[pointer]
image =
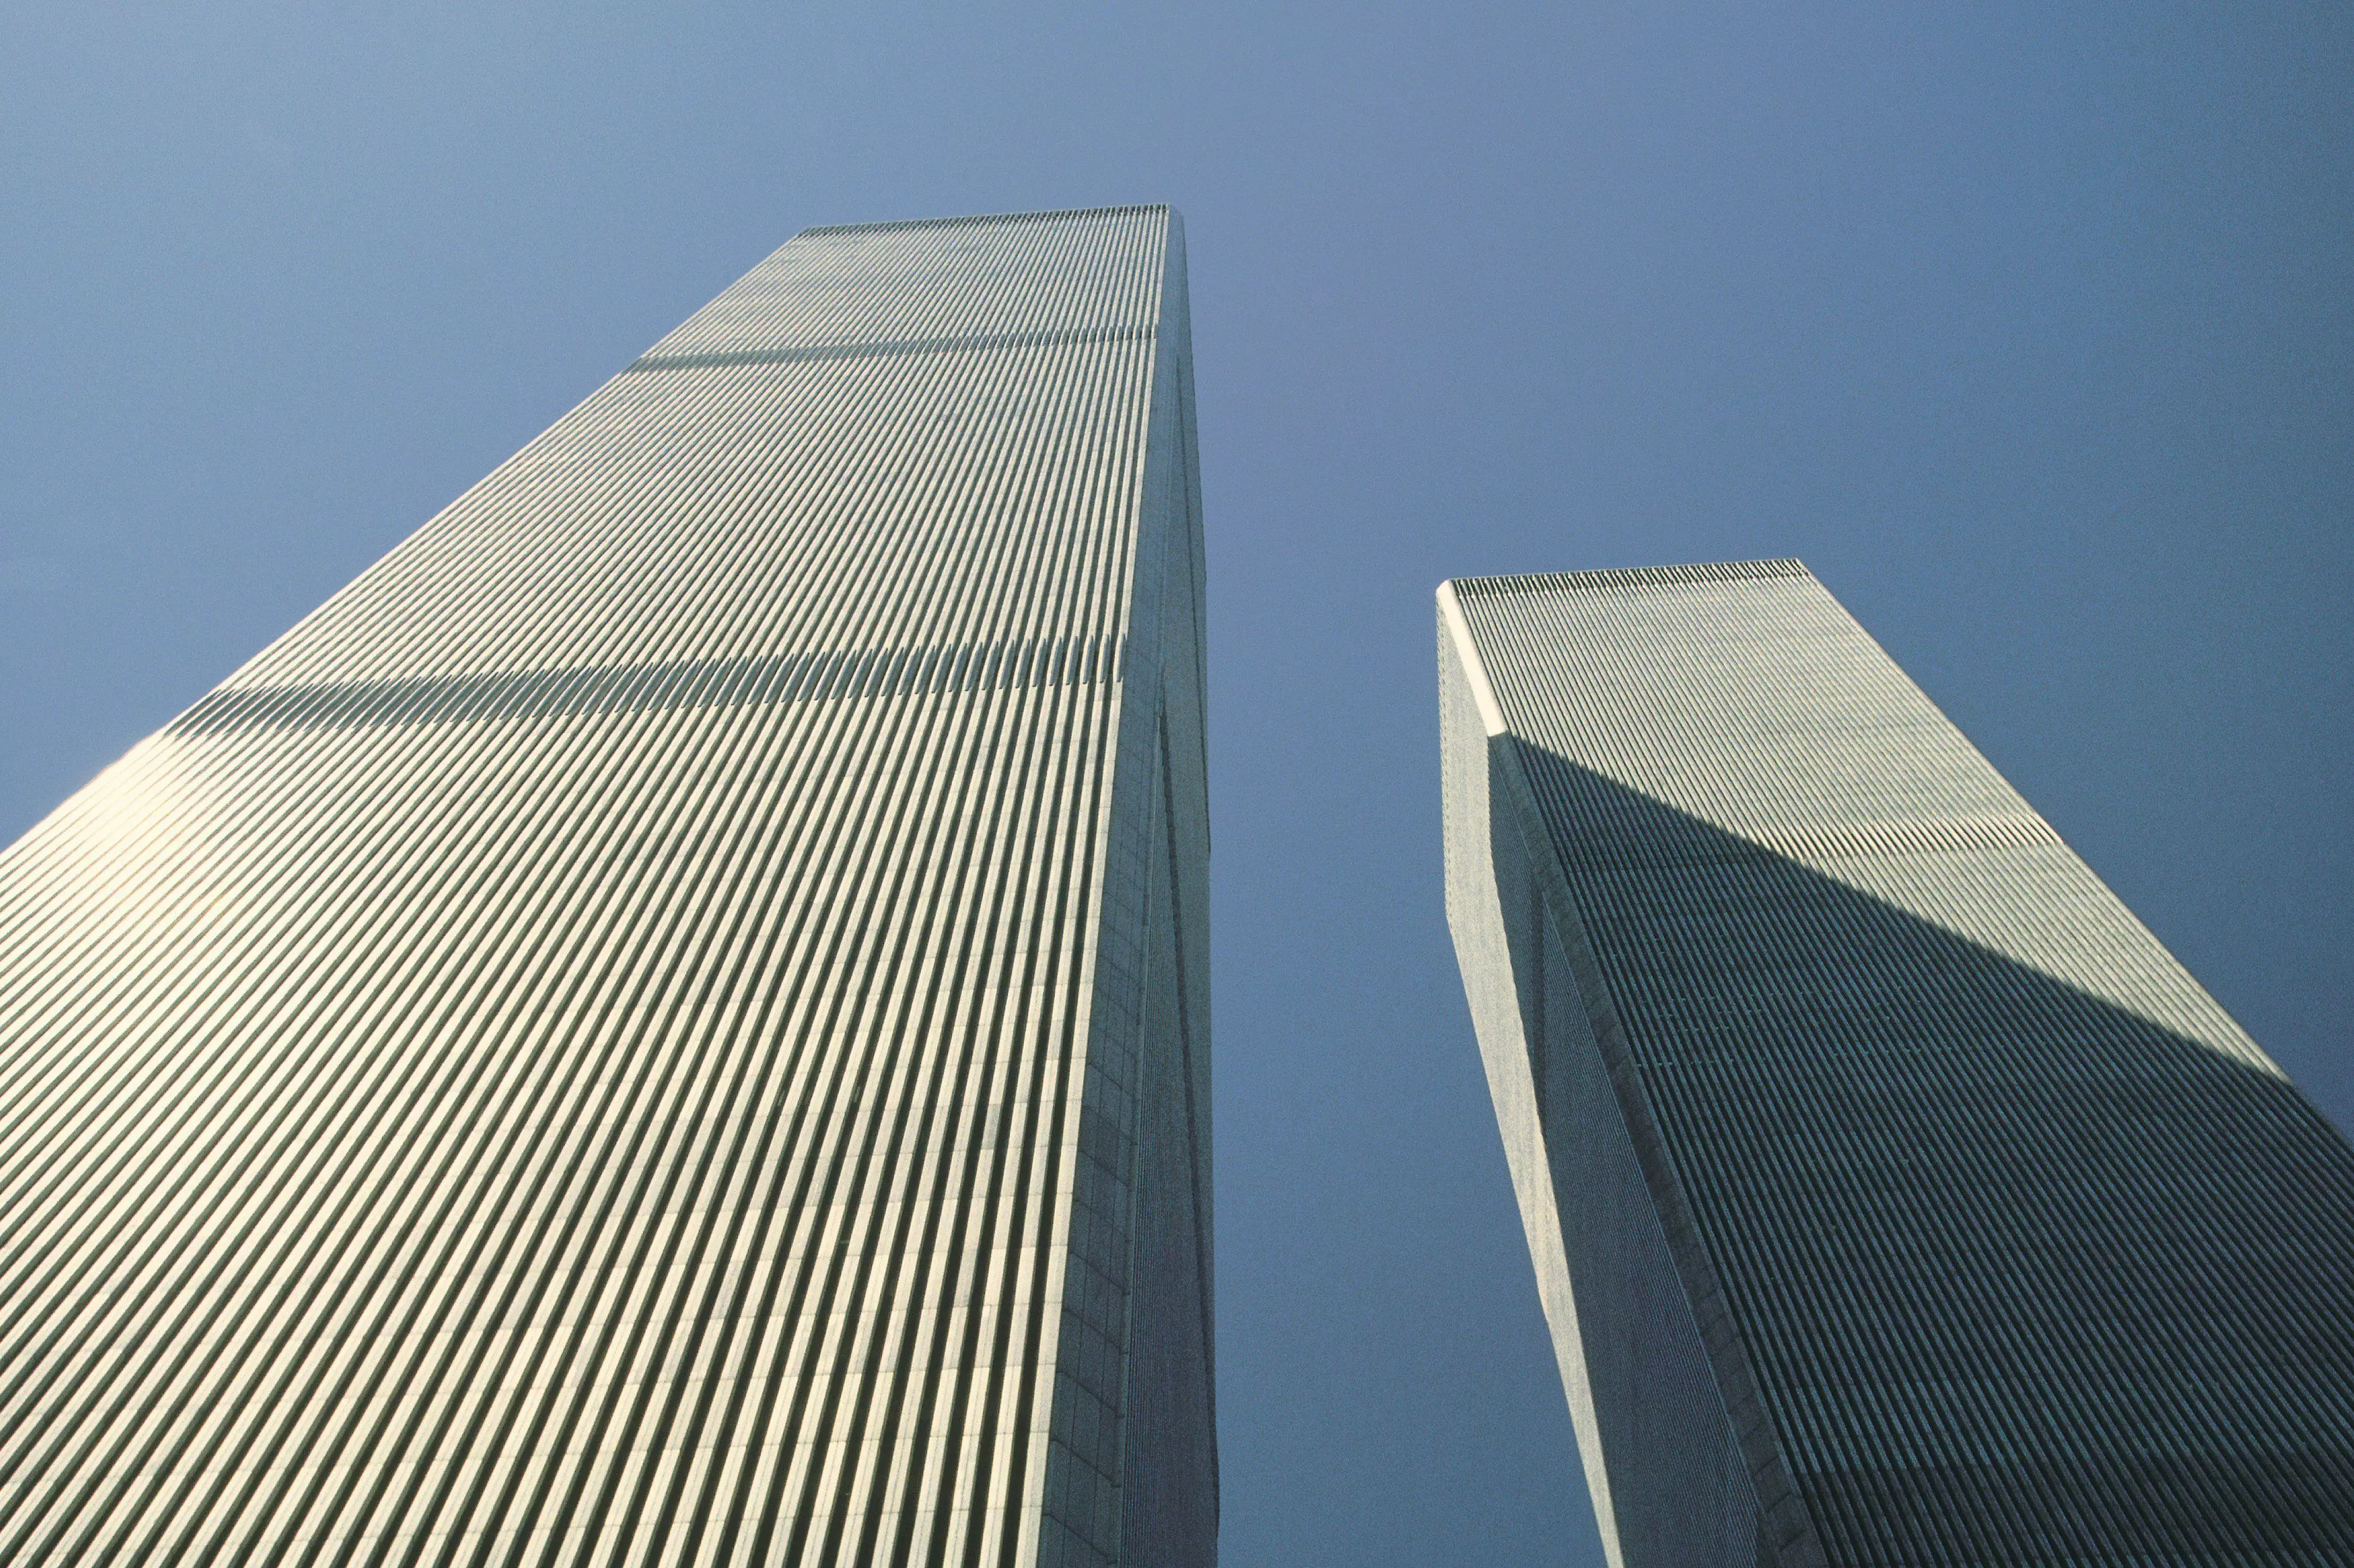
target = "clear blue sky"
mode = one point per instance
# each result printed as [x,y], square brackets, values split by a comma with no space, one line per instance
[2027,326]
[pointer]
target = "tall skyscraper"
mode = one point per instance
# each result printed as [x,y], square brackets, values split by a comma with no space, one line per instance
[1895,1196]
[668,1021]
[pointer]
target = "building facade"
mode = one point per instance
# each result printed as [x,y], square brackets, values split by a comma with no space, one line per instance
[668,1021]
[1895,1196]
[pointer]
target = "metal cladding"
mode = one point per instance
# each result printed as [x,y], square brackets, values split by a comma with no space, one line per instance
[1895,1197]
[668,1021]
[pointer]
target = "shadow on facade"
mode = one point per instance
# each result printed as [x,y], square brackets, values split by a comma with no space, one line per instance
[2026,1276]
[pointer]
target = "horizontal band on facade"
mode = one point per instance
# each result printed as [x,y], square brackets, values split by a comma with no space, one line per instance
[1637,577]
[681,683]
[1601,843]
[1042,338]
[1024,219]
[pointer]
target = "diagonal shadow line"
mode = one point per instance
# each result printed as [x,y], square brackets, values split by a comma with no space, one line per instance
[2025,1277]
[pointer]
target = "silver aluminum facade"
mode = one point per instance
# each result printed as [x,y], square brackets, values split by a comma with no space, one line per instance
[668,1021]
[1895,1196]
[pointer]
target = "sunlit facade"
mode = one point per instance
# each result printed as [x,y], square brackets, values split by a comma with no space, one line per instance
[1895,1196]
[668,1021]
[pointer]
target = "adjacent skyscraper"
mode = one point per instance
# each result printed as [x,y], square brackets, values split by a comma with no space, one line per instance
[1895,1196]
[668,1022]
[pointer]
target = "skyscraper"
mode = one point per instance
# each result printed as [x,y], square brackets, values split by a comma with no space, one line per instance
[1895,1196]
[668,1021]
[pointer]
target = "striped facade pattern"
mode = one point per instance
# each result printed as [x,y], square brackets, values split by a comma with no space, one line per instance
[668,1021]
[1998,1241]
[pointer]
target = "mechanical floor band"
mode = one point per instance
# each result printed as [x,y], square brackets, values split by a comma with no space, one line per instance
[687,683]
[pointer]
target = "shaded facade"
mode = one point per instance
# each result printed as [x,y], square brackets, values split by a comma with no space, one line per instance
[668,1021]
[1895,1196]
